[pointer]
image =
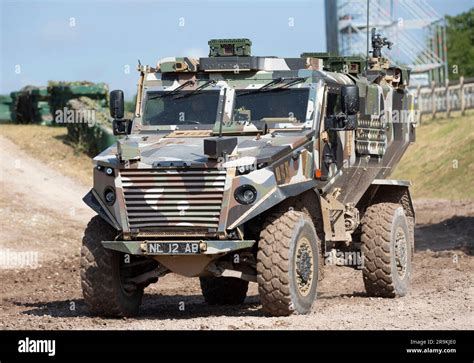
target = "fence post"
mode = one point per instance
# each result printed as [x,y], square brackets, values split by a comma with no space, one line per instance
[448,106]
[418,100]
[433,103]
[461,91]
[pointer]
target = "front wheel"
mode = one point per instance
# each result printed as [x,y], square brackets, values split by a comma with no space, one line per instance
[102,274]
[287,264]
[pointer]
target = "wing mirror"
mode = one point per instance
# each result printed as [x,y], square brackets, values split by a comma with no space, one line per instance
[347,119]
[119,125]
[350,99]
[116,104]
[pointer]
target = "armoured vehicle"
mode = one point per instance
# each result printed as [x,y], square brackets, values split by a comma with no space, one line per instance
[238,168]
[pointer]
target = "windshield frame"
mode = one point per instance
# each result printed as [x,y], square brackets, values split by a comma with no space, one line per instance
[227,94]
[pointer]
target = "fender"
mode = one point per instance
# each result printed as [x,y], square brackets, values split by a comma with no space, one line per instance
[388,190]
[276,196]
[94,202]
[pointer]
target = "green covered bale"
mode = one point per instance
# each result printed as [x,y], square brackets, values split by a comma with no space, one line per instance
[5,99]
[82,107]
[30,105]
[14,97]
[88,125]
[5,108]
[5,114]
[62,92]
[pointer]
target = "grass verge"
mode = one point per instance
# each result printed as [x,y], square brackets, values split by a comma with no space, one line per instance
[441,161]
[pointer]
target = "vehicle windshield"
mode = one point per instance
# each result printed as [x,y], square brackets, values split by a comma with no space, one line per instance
[183,108]
[278,105]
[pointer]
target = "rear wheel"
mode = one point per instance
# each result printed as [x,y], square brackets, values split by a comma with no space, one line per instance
[287,264]
[223,290]
[387,250]
[103,274]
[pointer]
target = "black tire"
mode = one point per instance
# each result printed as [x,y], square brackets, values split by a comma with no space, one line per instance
[308,203]
[386,250]
[223,290]
[287,264]
[101,274]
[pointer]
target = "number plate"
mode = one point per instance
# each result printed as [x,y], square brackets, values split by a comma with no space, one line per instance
[172,248]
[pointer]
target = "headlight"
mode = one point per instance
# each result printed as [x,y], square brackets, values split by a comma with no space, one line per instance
[245,169]
[106,169]
[109,195]
[245,194]
[244,165]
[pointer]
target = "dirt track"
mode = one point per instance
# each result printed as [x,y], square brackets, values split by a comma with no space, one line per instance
[42,211]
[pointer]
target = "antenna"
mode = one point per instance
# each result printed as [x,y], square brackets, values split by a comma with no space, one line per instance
[367,31]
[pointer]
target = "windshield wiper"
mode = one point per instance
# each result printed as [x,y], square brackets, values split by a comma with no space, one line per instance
[173,92]
[292,82]
[197,90]
[263,88]
[268,86]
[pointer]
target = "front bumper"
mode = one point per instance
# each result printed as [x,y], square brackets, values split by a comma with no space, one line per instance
[206,247]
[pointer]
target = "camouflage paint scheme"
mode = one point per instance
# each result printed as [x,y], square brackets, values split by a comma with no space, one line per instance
[155,160]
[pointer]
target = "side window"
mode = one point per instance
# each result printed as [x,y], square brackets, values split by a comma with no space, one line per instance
[333,104]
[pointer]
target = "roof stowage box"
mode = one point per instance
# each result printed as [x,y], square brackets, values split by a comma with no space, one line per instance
[229,47]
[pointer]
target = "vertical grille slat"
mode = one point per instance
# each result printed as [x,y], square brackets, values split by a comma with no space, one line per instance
[173,198]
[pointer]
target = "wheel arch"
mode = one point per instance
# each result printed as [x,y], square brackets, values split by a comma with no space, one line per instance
[309,198]
[388,191]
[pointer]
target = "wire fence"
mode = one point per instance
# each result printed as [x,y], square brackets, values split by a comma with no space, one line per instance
[454,96]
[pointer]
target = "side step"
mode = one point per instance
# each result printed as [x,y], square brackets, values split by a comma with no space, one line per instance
[339,220]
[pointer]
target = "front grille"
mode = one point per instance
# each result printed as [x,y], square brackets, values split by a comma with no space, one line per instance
[171,198]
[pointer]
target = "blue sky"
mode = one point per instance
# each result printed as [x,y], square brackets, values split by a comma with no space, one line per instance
[96,40]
